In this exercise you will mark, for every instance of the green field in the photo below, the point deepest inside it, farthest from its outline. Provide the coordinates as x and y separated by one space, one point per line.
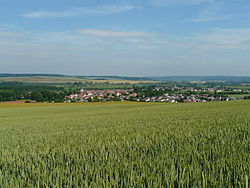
63 80
125 145
239 96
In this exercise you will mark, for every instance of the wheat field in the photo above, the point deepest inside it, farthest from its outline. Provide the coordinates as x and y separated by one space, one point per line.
125 145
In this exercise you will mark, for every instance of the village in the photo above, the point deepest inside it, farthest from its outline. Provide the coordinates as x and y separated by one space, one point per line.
158 94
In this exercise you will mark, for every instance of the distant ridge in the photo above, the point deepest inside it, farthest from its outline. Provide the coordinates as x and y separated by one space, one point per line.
27 75
2 75
203 78
150 78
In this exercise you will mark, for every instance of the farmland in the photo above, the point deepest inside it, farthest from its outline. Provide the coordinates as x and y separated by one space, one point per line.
125 145
70 79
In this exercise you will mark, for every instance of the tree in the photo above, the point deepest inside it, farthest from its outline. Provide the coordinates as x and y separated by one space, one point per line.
38 96
95 99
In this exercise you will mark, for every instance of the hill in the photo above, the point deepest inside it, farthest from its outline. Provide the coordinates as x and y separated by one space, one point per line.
203 78
59 78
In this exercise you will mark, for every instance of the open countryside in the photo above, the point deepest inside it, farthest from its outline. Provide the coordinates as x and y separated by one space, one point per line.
125 94
60 79
125 144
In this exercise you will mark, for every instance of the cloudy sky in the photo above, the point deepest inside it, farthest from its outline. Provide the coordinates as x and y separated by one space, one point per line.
125 37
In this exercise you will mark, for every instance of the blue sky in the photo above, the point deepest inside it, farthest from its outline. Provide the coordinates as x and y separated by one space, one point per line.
125 37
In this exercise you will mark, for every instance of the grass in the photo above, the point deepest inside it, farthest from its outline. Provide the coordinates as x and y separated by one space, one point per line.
125 145
240 95
240 87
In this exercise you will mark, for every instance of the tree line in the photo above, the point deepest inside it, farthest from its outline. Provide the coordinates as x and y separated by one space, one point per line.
13 91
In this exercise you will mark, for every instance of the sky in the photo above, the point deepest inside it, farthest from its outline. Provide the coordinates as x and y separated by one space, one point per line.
125 37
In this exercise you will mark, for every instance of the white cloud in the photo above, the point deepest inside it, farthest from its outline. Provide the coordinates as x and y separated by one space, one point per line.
226 39
109 33
195 2
217 39
57 49
179 2
212 18
3 25
213 12
102 10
